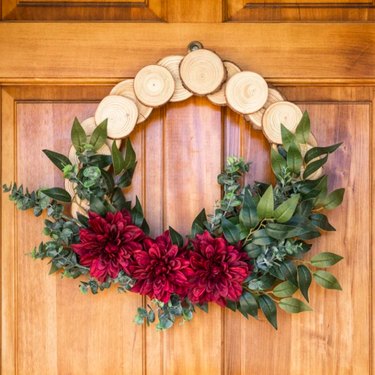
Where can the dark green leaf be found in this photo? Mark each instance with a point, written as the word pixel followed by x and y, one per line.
pixel 130 156
pixel 231 231
pixel 83 219
pixel 248 214
pixel 126 178
pixel 283 231
pixel 118 199
pixel 232 305
pixel 293 305
pixel 53 269
pixel 98 206
pixel 287 137
pixel 305 207
pixel 304 280
pixel 321 221
pixel 314 166
pixel 318 151
pixel 289 270
pixel 333 199
pixel 253 250
pixel 249 304
pixel 58 194
pixel 99 136
pixel 325 259
pixel 199 223
pixel 285 289
pixel 137 213
pixel 118 162
pixel 303 129
pixel 266 204
pixel 294 158
pixel 203 306
pixel 176 237
pixel 109 181
pixel 260 237
pixel 277 162
pixel 326 280
pixel 285 211
pixel 269 309
pixel 78 136
pixel 58 159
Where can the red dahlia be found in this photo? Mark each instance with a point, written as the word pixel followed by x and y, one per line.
pixel 160 269
pixel 219 270
pixel 108 243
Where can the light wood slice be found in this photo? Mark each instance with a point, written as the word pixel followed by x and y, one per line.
pixel 172 63
pixel 218 97
pixel 285 113
pixel 79 206
pixel 202 72
pixel 122 115
pixel 154 85
pixel 255 118
pixel 126 88
pixel 70 187
pixel 246 92
pixel 89 126
pixel 72 155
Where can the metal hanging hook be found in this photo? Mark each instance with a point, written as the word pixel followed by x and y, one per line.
pixel 194 45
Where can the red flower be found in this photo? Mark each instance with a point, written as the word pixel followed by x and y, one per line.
pixel 108 243
pixel 219 270
pixel 160 269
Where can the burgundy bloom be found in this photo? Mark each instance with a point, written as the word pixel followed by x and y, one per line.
pixel 219 270
pixel 108 243
pixel 160 269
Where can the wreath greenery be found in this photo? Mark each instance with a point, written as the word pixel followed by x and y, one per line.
pixel 248 255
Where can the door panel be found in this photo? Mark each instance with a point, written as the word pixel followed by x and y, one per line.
pixel 52 71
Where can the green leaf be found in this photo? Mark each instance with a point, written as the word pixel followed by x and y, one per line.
pixel 325 259
pixel 118 163
pixel 318 151
pixel 109 181
pixel 253 250
pixel 137 213
pixel 294 158
pixel 231 231
pixel 58 194
pixel 233 306
pixel 285 211
pixel 248 214
pixel 314 166
pixel 98 206
pixel 287 136
pixel 176 237
pixel 126 178
pixel 130 156
pixel 277 162
pixel 266 204
pixel 326 280
pixel 53 269
pixel 78 136
pixel 58 159
pixel 289 270
pixel 283 231
pixel 293 305
pixel 199 223
pixel 321 221
pixel 99 136
pixel 249 304
pixel 304 280
pixel 333 199
pixel 303 129
pixel 285 289
pixel 260 237
pixel 118 199
pixel 268 307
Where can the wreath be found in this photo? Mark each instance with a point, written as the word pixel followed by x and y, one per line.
pixel 247 256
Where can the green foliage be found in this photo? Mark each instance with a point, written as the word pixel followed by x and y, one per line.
pixel 293 305
pixel 326 280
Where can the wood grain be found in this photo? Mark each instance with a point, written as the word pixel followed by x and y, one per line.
pixel 335 51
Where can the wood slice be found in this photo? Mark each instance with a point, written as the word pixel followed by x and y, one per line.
pixel 126 88
pixel 255 118
pixel 202 72
pixel 89 126
pixel 70 187
pixel 246 92
pixel 122 115
pixel 218 97
pixel 172 63
pixel 285 113
pixel 79 206
pixel 154 85
pixel 72 155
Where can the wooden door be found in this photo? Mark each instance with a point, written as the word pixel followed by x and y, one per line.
pixel 57 62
